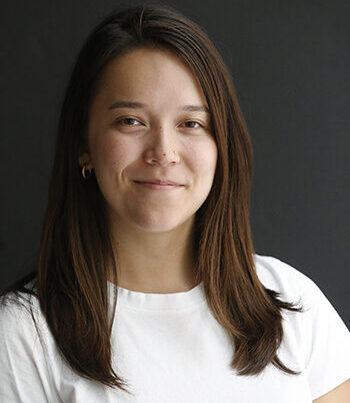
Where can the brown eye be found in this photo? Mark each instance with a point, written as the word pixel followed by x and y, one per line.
pixel 127 121
pixel 192 122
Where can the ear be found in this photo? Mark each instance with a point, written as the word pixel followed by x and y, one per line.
pixel 84 158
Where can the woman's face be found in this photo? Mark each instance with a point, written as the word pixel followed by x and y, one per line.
pixel 141 128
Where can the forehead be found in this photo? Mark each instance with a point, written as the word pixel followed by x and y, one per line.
pixel 147 72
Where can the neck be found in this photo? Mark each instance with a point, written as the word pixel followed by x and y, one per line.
pixel 155 262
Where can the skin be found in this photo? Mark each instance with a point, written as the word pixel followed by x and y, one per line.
pixel 340 394
pixel 152 229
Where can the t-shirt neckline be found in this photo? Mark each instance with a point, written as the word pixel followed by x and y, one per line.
pixel 159 302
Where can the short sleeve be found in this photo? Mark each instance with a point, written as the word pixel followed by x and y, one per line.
pixel 328 344
pixel 24 375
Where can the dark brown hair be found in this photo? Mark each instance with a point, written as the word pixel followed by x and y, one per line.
pixel 76 251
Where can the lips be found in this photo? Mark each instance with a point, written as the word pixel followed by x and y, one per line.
pixel 159 182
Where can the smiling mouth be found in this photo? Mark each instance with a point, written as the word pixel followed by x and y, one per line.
pixel 156 186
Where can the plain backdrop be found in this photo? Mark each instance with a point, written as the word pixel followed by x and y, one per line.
pixel 290 65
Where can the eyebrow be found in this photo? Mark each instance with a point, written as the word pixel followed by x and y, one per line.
pixel 139 105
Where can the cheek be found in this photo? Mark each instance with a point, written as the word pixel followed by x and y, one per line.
pixel 111 154
pixel 203 158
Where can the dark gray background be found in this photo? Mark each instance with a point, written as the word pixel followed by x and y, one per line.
pixel 290 66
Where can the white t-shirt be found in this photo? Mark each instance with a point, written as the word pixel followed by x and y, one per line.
pixel 169 348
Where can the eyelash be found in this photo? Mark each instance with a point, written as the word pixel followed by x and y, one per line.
pixel 188 121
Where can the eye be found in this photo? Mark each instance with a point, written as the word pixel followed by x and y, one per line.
pixel 192 121
pixel 127 121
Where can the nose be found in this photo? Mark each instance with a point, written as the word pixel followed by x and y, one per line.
pixel 161 151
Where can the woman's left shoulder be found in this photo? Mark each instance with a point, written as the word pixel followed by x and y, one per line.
pixel 289 281
pixel 318 334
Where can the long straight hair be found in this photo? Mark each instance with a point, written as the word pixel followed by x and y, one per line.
pixel 76 250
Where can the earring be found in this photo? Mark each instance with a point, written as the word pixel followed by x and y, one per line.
pixel 83 172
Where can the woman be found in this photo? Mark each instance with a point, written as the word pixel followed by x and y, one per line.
pixel 147 287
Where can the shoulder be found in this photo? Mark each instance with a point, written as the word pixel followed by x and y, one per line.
pixel 27 352
pixel 20 316
pixel 318 336
pixel 17 302
pixel 292 284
